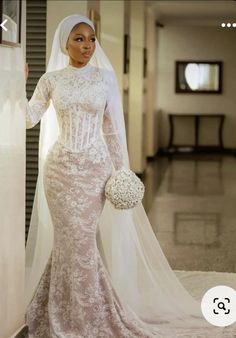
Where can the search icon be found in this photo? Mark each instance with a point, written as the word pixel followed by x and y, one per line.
pixel 223 306
pixel 218 305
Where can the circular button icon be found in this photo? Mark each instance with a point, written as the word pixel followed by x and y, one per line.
pixel 218 305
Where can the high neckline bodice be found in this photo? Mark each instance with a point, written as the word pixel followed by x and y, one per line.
pixel 79 69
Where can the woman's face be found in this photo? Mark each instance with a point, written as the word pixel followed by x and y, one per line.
pixel 81 44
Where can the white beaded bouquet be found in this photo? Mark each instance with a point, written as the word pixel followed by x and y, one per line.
pixel 124 189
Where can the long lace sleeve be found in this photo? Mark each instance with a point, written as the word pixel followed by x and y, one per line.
pixel 111 132
pixel 38 103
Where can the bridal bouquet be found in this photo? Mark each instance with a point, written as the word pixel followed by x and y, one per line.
pixel 124 189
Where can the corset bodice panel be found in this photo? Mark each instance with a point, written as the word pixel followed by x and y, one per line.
pixel 79 98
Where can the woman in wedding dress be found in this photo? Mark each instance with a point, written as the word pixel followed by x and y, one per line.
pixel 106 275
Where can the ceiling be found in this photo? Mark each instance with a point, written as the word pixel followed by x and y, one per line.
pixel 194 13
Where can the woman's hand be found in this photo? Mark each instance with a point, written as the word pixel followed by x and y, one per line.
pixel 26 71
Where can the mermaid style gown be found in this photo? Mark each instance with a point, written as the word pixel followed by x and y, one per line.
pixel 75 297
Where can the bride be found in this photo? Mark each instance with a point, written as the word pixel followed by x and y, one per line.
pixel 92 270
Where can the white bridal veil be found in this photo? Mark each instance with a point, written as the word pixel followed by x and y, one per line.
pixel 137 266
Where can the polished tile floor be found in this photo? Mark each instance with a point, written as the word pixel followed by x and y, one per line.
pixel 191 204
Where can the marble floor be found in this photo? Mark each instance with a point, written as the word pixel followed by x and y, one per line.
pixel 191 204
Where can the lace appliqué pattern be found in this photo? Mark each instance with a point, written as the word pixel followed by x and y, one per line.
pixel 75 297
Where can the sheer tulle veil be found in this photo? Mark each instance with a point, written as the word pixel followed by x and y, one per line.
pixel 134 259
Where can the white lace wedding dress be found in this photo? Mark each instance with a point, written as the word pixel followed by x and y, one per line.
pixel 75 297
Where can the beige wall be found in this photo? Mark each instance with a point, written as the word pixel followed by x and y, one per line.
pixel 112 32
pixel 203 43
pixel 56 11
pixel 94 4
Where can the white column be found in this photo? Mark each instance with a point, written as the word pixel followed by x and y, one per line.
pixel 151 114
pixel 12 191
pixel 135 111
pixel 112 35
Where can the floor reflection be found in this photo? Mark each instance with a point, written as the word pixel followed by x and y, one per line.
pixel 191 204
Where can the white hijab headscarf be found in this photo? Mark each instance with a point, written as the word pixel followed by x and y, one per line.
pixel 139 271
